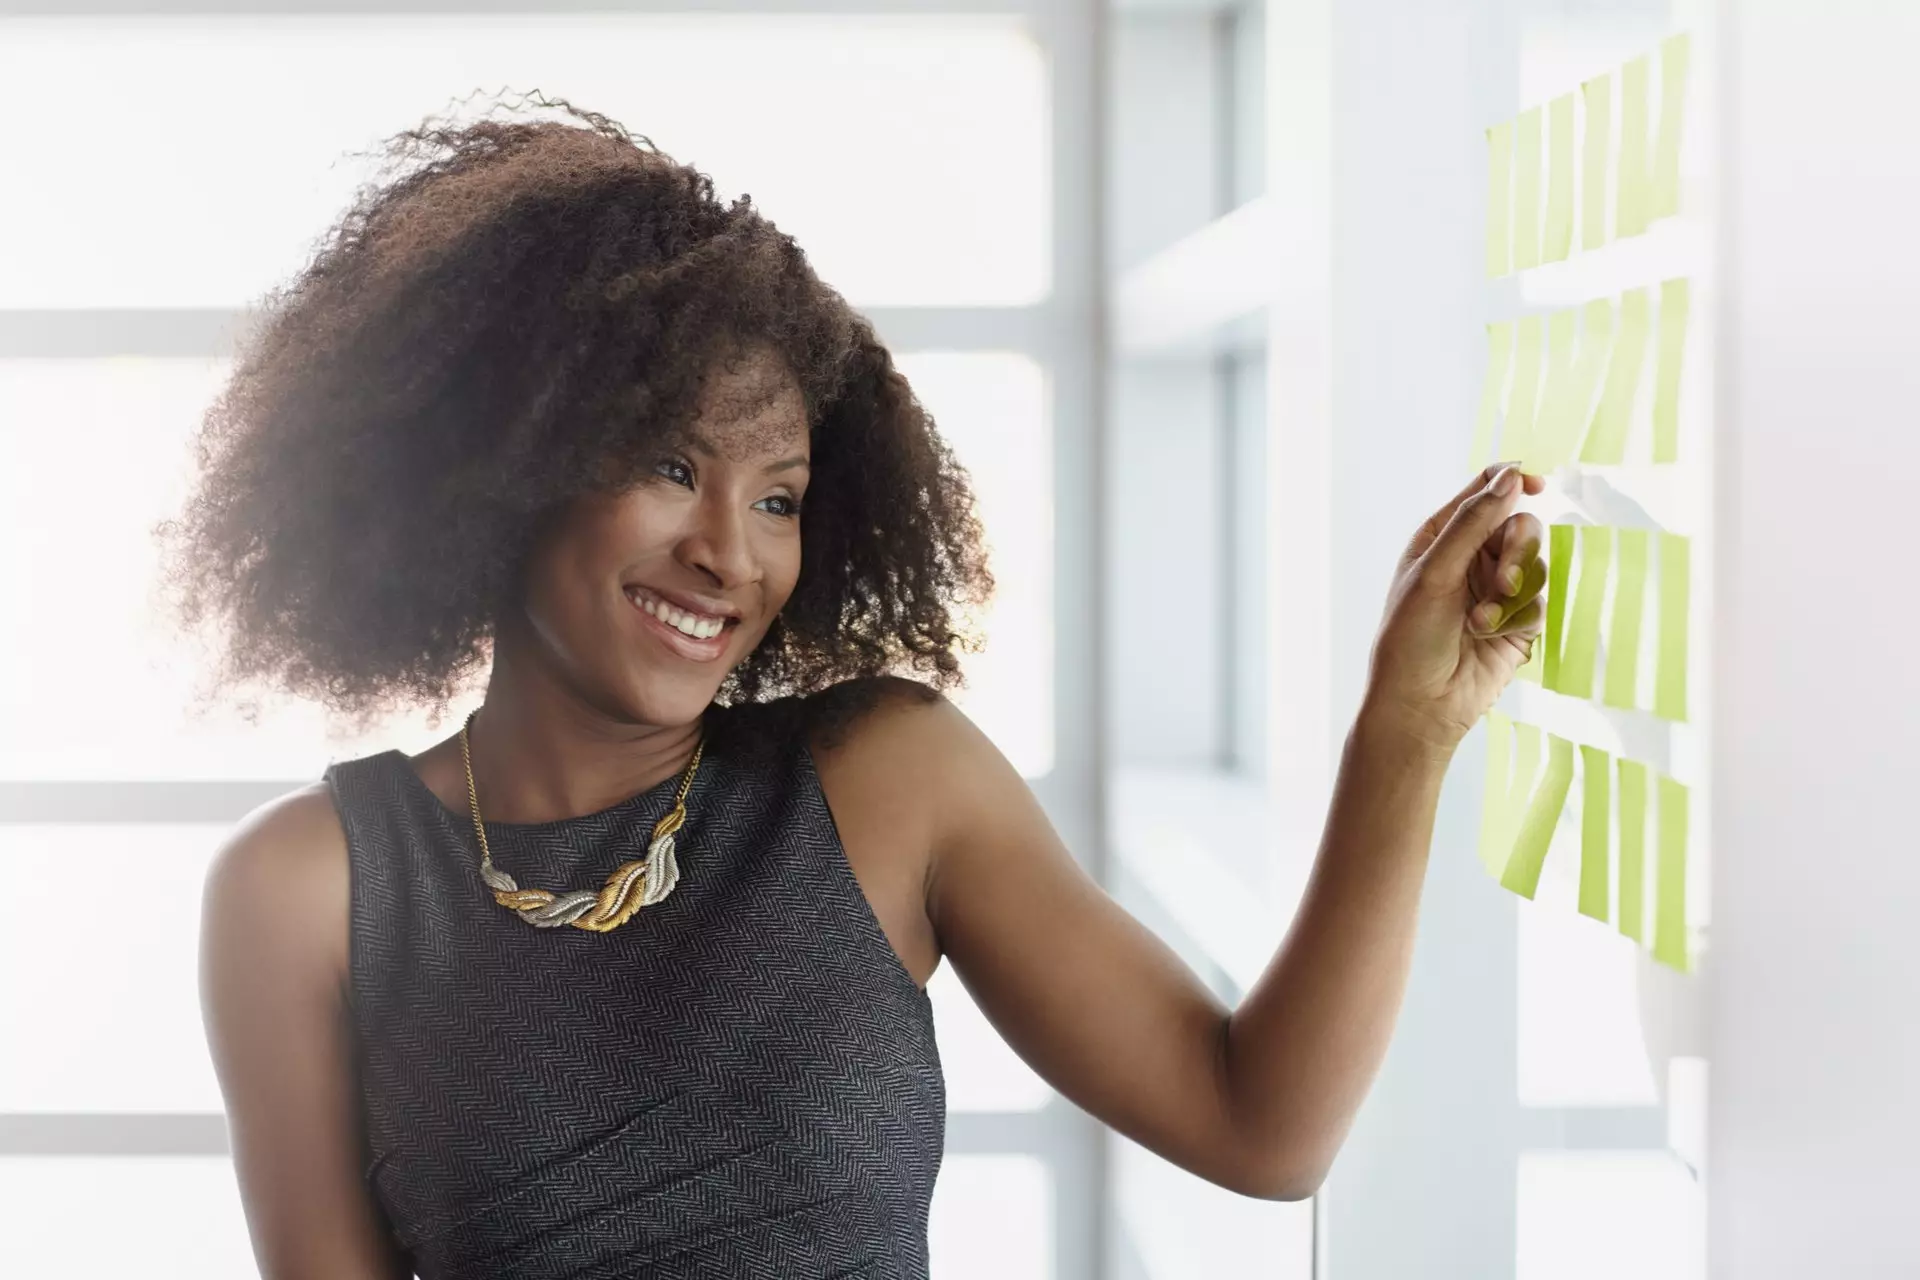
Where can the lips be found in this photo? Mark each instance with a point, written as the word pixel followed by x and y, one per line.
pixel 692 634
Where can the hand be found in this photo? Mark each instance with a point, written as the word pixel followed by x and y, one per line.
pixel 1463 614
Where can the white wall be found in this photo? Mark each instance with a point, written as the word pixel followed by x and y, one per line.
pixel 1425 1184
pixel 1815 1103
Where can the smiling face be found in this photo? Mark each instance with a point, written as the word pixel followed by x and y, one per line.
pixel 640 602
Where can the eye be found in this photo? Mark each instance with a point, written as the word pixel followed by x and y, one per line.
pixel 674 470
pixel 784 505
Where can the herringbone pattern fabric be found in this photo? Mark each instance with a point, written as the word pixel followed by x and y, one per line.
pixel 741 1082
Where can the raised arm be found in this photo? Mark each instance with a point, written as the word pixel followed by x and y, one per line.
pixel 1260 1098
pixel 272 976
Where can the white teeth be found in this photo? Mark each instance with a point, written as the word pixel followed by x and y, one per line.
pixel 680 620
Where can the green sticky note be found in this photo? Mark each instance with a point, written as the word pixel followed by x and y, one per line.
pixel 1630 212
pixel 1513 766
pixel 1500 199
pixel 1670 890
pixel 1522 875
pixel 1670 671
pixel 1607 441
pixel 1633 848
pixel 1516 438
pixel 1534 669
pixel 1493 804
pixel 1595 809
pixel 1499 359
pixel 1675 302
pixel 1526 190
pixel 1549 440
pixel 1663 182
pixel 1558 238
pixel 1623 636
pixel 1583 622
pixel 1559 572
pixel 1596 345
pixel 1526 772
pixel 1597 99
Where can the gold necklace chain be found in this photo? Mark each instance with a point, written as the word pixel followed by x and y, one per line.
pixel 633 885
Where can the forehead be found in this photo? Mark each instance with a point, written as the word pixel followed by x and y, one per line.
pixel 750 405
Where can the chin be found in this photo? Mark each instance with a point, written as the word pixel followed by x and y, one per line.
pixel 667 702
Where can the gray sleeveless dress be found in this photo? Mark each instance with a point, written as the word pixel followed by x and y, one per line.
pixel 740 1082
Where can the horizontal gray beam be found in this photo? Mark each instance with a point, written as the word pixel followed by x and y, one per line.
pixel 198 333
pixel 205 1134
pixel 136 802
pixel 1593 1128
pixel 113 1134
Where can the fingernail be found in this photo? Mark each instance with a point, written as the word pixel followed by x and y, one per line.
pixel 1486 617
pixel 1507 479
pixel 1510 579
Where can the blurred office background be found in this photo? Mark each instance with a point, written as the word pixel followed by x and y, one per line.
pixel 1193 287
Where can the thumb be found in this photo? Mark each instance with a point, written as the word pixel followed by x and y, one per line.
pixel 1474 521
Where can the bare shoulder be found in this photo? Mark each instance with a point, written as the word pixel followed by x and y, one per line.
pixel 881 715
pixel 280 884
pixel 891 734
pixel 891 754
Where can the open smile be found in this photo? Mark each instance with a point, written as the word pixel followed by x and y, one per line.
pixel 698 636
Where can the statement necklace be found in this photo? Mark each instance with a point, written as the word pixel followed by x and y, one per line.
pixel 633 885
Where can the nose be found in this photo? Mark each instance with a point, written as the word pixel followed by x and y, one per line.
pixel 718 544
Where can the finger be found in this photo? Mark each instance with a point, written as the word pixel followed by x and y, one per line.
pixel 1430 530
pixel 1523 631
pixel 1492 613
pixel 1517 545
pixel 1529 621
pixel 1473 521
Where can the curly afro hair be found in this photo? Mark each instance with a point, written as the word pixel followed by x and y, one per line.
pixel 517 312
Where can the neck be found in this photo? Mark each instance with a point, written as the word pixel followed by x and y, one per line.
pixel 541 753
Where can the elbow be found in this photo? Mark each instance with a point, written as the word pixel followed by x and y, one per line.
pixel 1282 1183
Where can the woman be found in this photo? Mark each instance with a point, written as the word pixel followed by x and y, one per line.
pixel 627 976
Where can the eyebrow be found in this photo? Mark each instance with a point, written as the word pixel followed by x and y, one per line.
pixel 705 445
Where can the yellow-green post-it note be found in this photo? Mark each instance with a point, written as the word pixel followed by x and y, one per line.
pixel 1670 890
pixel 1675 302
pixel 1526 190
pixel 1633 848
pixel 1558 238
pixel 1534 669
pixel 1670 671
pixel 1607 441
pixel 1500 199
pixel 1663 181
pixel 1630 211
pixel 1623 636
pixel 1493 805
pixel 1499 359
pixel 1596 806
pixel 1548 447
pixel 1513 766
pixel 1596 345
pixel 1597 100
pixel 1583 622
pixel 1559 574
pixel 1516 437
pixel 1522 875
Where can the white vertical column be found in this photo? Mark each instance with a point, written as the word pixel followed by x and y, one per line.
pixel 1814 1125
pixel 1299 387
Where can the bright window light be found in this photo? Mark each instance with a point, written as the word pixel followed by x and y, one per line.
pixel 992 1216
pixel 992 409
pixel 1600 1215
pixel 119 1030
pixel 196 158
pixel 159 1218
